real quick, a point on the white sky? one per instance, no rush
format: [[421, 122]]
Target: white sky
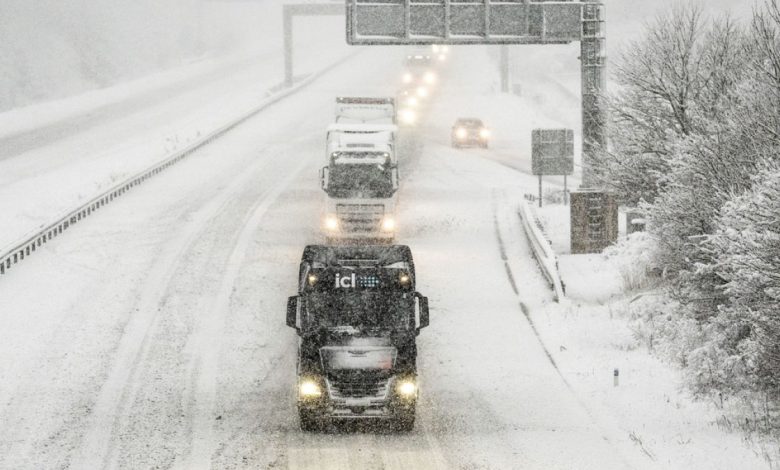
[[625, 18]]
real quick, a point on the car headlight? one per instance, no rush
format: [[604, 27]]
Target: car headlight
[[461, 133], [408, 78], [422, 92], [484, 133], [407, 388], [331, 223], [430, 78], [309, 389], [388, 224]]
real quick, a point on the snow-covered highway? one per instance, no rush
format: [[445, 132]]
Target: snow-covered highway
[[152, 335]]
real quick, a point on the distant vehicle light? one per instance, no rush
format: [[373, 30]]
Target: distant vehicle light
[[408, 78], [484, 133], [461, 133], [442, 57], [422, 92], [445, 49], [312, 279], [435, 48], [309, 389], [412, 101], [430, 78]]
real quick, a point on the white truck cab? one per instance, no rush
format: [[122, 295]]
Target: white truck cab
[[361, 177]]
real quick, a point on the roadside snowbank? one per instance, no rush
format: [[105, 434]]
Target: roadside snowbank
[[607, 328]]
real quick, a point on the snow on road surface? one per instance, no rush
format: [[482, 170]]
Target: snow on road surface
[[153, 334]]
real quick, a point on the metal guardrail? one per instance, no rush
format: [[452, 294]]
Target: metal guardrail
[[542, 249], [30, 244]]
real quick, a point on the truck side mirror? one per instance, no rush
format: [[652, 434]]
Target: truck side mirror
[[292, 312], [324, 178], [425, 317]]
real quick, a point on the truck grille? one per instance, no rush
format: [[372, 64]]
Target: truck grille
[[360, 218], [356, 387]]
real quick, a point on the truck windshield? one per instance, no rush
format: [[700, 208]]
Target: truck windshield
[[360, 181], [361, 310]]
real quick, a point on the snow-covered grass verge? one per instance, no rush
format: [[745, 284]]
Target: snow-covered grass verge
[[617, 322]]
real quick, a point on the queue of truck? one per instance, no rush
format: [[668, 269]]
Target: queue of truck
[[357, 312]]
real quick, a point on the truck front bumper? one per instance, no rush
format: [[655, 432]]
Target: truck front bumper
[[386, 403]]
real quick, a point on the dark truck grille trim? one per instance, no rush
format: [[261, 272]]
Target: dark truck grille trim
[[359, 217], [359, 388]]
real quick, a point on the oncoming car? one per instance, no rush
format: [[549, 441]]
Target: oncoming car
[[470, 132]]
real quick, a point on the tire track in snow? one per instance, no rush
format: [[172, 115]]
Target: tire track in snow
[[203, 442], [98, 448], [116, 394]]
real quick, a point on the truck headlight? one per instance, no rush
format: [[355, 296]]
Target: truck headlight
[[484, 133], [461, 133], [407, 388], [309, 389], [331, 223], [388, 224], [408, 117]]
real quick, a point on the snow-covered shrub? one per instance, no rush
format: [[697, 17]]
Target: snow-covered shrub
[[634, 257], [746, 248]]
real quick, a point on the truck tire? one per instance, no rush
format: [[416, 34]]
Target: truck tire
[[403, 421], [309, 421]]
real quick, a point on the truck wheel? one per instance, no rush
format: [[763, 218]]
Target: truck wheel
[[310, 422], [403, 421]]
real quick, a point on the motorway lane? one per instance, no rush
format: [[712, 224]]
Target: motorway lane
[[102, 370], [173, 351]]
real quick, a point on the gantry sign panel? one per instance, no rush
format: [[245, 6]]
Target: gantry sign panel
[[399, 22], [552, 151]]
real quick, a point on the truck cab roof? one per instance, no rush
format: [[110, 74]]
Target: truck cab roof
[[359, 256], [382, 260]]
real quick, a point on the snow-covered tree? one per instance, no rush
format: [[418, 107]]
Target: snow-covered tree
[[746, 251], [696, 118], [672, 84]]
